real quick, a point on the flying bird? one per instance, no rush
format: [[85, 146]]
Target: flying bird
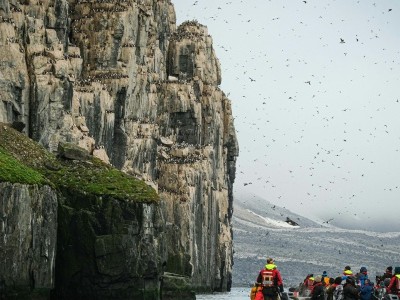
[[327, 221]]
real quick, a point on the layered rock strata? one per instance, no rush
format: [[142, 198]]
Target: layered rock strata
[[117, 78]]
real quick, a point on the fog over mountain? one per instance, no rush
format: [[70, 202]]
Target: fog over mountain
[[260, 231]]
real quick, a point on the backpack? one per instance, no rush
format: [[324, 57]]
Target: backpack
[[338, 293]]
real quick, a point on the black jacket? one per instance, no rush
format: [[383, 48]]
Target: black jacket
[[318, 292], [350, 292]]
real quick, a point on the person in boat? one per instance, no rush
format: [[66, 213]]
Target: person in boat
[[271, 281]]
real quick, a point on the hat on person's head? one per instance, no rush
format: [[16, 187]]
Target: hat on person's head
[[324, 274], [347, 272], [363, 269], [318, 278]]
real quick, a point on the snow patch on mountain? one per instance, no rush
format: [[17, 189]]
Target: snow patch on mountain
[[272, 222]]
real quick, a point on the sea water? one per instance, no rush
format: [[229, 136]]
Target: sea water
[[237, 293]]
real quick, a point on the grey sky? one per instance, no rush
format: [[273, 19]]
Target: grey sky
[[316, 98]]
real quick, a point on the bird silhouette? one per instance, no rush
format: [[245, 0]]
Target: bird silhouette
[[327, 221]]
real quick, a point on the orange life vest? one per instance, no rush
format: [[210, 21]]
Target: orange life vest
[[254, 290]]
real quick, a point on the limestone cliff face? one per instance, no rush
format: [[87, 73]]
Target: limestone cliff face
[[28, 215], [117, 78], [197, 170], [109, 234]]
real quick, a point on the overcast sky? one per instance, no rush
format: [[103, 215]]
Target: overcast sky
[[315, 88]]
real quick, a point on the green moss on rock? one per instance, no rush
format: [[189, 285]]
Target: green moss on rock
[[22, 160], [175, 286], [11, 170], [96, 178]]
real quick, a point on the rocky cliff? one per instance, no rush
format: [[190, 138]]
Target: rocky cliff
[[28, 231], [75, 227], [117, 78]]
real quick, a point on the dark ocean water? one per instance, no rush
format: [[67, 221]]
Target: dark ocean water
[[234, 294]]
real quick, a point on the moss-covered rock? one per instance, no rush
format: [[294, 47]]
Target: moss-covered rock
[[23, 160], [72, 151], [176, 286], [108, 240], [11, 170]]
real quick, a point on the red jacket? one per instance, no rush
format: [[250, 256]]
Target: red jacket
[[394, 285], [270, 276]]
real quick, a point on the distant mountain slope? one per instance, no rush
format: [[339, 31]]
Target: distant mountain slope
[[255, 205], [260, 231]]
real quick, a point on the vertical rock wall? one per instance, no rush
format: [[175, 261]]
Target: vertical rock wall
[[117, 78], [196, 173], [28, 225], [108, 249]]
